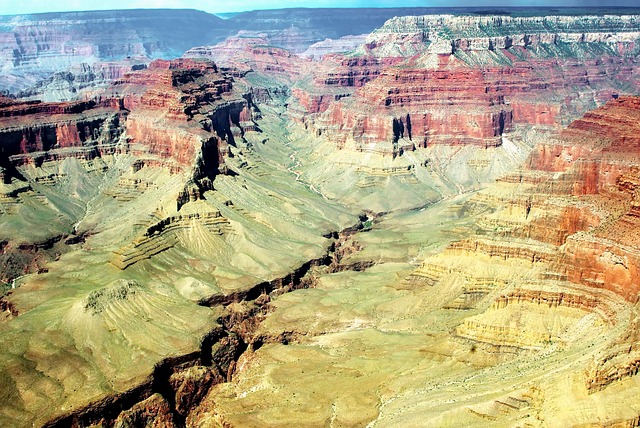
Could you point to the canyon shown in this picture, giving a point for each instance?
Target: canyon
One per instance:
(58, 54)
(429, 218)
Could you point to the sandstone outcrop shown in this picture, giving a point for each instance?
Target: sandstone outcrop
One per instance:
(183, 118)
(173, 113)
(190, 197)
(161, 236)
(469, 80)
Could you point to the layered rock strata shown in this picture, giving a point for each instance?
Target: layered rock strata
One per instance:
(179, 115)
(539, 282)
(469, 80)
(36, 46)
(574, 206)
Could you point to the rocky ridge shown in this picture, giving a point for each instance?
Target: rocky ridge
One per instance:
(165, 116)
(416, 80)
(40, 47)
(195, 195)
(593, 246)
(126, 180)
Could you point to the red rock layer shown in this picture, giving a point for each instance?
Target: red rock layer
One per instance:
(611, 126)
(593, 220)
(181, 114)
(316, 103)
(178, 108)
(352, 71)
(456, 104)
(468, 93)
(34, 131)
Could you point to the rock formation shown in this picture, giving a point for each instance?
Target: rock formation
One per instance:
(355, 234)
(583, 181)
(35, 46)
(328, 46)
(468, 80)
(47, 49)
(540, 292)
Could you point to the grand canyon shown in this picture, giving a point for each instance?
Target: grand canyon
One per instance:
(320, 218)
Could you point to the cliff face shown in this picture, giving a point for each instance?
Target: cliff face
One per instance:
(593, 160)
(468, 80)
(498, 32)
(164, 212)
(33, 132)
(179, 115)
(168, 111)
(35, 46)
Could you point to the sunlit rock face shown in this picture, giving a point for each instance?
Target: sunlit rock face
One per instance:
(532, 288)
(433, 224)
(66, 52)
(467, 80)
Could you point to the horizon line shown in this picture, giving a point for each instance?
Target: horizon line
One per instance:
(488, 8)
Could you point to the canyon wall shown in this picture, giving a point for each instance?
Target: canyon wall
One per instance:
(158, 217)
(33, 47)
(168, 111)
(469, 80)
(179, 115)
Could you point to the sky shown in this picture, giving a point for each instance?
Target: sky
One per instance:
(11, 7)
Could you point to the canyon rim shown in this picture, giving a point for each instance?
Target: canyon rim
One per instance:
(320, 217)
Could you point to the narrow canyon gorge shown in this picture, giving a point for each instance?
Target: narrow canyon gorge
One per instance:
(308, 217)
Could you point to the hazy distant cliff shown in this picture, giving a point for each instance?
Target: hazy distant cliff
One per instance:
(34, 46)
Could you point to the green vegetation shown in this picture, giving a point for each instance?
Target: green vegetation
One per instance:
(97, 300)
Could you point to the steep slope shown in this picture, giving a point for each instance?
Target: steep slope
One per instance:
(34, 47)
(98, 195)
(516, 305)
(355, 240)
(467, 80)
(57, 54)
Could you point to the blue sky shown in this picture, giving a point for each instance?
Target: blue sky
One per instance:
(9, 7)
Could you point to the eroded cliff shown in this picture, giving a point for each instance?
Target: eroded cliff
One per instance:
(191, 266)
(467, 79)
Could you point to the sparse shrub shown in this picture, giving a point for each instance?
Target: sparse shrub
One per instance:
(98, 300)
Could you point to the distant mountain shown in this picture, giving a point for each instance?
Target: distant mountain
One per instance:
(33, 47)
